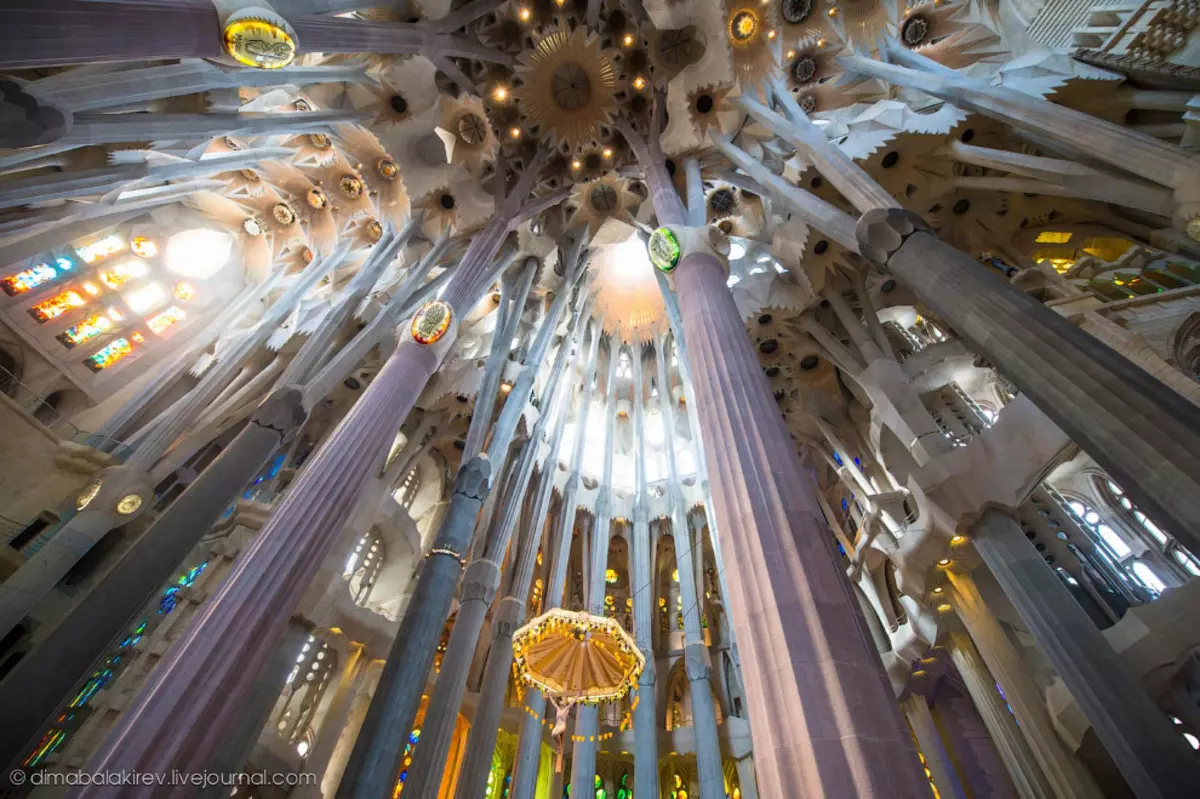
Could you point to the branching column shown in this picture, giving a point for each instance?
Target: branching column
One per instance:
(805, 652)
(645, 728)
(587, 717)
(695, 656)
(1014, 752)
(510, 611)
(178, 718)
(1066, 776)
(125, 491)
(1152, 756)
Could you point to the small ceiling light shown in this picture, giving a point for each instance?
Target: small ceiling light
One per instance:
(938, 590)
(770, 34)
(958, 539)
(944, 608)
(576, 164)
(560, 3)
(524, 14)
(628, 40)
(639, 83)
(515, 133)
(833, 11)
(608, 152)
(500, 94)
(791, 54)
(944, 562)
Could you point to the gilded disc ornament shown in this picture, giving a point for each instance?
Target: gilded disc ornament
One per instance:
(432, 321)
(316, 198)
(664, 249)
(283, 213)
(259, 43)
(351, 186)
(387, 169)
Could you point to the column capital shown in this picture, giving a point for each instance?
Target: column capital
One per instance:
(510, 613)
(882, 231)
(474, 478)
(480, 581)
(282, 411)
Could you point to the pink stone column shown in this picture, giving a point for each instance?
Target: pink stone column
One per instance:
(823, 718)
(186, 706)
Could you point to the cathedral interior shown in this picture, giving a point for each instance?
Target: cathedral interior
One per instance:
(537, 399)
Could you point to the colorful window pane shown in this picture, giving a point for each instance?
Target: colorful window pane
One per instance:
(119, 274)
(86, 330)
(147, 298)
(184, 292)
(34, 276)
(102, 248)
(109, 354)
(159, 323)
(57, 305)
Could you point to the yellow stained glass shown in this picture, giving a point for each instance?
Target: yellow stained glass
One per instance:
(57, 305)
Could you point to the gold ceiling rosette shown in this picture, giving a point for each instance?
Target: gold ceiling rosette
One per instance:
(577, 658)
(466, 132)
(567, 85)
(750, 31)
(596, 201)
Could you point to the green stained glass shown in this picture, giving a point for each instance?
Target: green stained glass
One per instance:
(664, 249)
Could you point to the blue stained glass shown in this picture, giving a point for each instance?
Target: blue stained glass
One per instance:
(858, 463)
(837, 459)
(845, 504)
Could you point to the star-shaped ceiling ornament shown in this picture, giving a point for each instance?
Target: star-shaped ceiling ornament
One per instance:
(566, 89)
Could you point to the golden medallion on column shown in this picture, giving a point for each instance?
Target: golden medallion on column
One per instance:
(258, 42)
(432, 321)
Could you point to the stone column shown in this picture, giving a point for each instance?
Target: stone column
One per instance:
(587, 717)
(336, 716)
(645, 726)
(1152, 756)
(358, 711)
(559, 560)
(126, 490)
(33, 690)
(1075, 131)
(238, 739)
(508, 616)
(180, 715)
(746, 780)
(805, 652)
(930, 740)
(695, 656)
(1067, 778)
(1141, 432)
(1018, 759)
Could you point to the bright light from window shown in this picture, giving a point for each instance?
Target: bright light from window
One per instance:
(147, 298)
(1192, 740)
(1114, 541)
(656, 434)
(630, 260)
(1147, 577)
(736, 249)
(198, 253)
(302, 748)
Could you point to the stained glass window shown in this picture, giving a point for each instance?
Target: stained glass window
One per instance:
(57, 305)
(600, 792)
(163, 321)
(678, 789)
(85, 330)
(623, 789)
(109, 354)
(56, 736)
(409, 746)
(184, 292)
(35, 276)
(102, 248)
(170, 597)
(118, 275)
